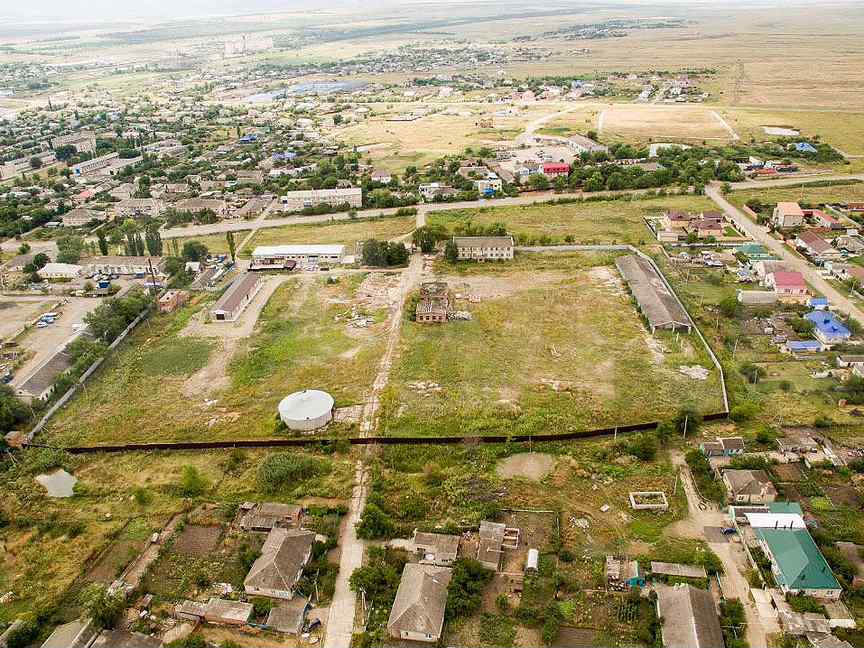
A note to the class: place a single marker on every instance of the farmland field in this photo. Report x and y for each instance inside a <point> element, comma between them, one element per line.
<point>185,387</point>
<point>600,221</point>
<point>644,123</point>
<point>555,349</point>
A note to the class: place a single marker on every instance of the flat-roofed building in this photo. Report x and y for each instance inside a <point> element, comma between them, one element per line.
<point>234,300</point>
<point>299,200</point>
<point>137,207</point>
<point>281,257</point>
<point>124,265</point>
<point>68,271</point>
<point>484,248</point>
<point>95,164</point>
<point>84,142</point>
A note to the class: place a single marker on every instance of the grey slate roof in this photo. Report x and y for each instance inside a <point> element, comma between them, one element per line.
<point>655,300</point>
<point>689,617</point>
<point>282,557</point>
<point>420,600</point>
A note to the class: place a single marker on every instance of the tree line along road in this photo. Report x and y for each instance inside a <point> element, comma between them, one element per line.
<point>426,208</point>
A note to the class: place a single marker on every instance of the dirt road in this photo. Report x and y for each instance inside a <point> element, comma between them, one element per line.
<point>731,555</point>
<point>340,624</point>
<point>761,235</point>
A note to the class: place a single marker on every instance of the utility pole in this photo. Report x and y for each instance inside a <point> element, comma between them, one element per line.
<point>686,421</point>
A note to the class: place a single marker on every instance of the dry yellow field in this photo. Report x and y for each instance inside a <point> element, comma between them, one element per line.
<point>397,144</point>
<point>842,129</point>
<point>641,122</point>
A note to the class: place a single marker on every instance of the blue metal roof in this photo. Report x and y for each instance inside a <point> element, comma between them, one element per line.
<point>804,345</point>
<point>804,147</point>
<point>828,325</point>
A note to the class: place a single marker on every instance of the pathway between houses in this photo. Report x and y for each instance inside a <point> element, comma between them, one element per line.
<point>340,624</point>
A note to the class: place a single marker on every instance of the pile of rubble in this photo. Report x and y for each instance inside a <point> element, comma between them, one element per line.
<point>425,387</point>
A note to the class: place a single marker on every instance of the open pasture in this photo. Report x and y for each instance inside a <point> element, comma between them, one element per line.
<point>557,347</point>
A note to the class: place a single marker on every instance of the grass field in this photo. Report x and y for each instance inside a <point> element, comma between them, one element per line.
<point>602,221</point>
<point>645,123</point>
<point>842,129</point>
<point>803,194</point>
<point>423,140</point>
<point>555,349</point>
<point>347,233</point>
<point>302,340</point>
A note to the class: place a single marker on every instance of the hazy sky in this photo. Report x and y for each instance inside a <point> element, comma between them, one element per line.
<point>106,10</point>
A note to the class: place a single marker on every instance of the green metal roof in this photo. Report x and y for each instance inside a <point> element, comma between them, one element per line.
<point>801,564</point>
<point>754,251</point>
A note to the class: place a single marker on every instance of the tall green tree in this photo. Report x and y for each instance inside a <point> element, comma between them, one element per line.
<point>229,236</point>
<point>103,243</point>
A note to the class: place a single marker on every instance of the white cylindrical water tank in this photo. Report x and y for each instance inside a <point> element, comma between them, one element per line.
<point>306,410</point>
<point>533,560</point>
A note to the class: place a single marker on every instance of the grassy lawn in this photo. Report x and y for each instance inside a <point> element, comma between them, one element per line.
<point>602,221</point>
<point>562,349</point>
<point>302,340</point>
<point>805,194</point>
<point>347,233</point>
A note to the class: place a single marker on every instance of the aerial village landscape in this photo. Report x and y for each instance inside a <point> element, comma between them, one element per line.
<point>433,324</point>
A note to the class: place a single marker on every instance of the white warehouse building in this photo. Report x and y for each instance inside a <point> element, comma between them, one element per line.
<point>278,257</point>
<point>297,200</point>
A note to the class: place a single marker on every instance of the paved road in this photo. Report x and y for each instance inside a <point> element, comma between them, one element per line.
<point>427,208</point>
<point>811,273</point>
<point>340,623</point>
<point>731,555</point>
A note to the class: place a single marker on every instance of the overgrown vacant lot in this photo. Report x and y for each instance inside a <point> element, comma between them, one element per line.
<point>150,390</point>
<point>594,221</point>
<point>345,232</point>
<point>806,194</point>
<point>844,130</point>
<point>555,345</point>
<point>55,546</point>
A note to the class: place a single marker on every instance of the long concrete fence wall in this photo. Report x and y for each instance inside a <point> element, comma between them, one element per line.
<point>79,384</point>
<point>412,440</point>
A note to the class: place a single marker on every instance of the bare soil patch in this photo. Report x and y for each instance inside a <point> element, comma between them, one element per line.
<point>844,495</point>
<point>198,540</point>
<point>790,472</point>
<point>529,465</point>
<point>492,287</point>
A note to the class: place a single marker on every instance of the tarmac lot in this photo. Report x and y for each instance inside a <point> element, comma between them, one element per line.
<point>43,342</point>
<point>15,312</point>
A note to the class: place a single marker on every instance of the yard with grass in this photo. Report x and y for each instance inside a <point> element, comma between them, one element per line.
<point>588,222</point>
<point>163,385</point>
<point>54,547</point>
<point>423,488</point>
<point>558,347</point>
<point>812,195</point>
<point>348,233</point>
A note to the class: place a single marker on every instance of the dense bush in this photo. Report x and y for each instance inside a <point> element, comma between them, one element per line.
<point>465,592</point>
<point>283,470</point>
<point>374,523</point>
